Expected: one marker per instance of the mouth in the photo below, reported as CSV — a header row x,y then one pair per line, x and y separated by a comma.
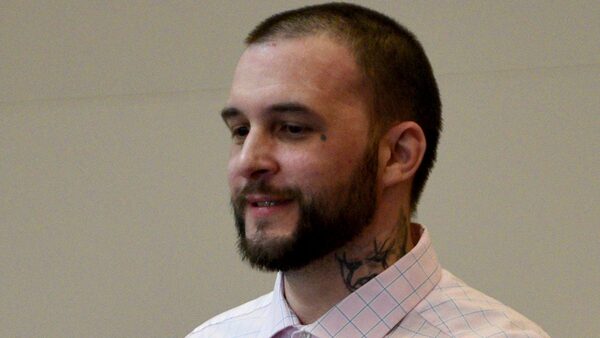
x,y
263,205
266,204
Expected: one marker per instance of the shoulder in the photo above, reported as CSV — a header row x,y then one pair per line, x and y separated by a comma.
x,y
244,319
459,310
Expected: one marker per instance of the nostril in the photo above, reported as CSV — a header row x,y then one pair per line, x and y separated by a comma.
x,y
259,173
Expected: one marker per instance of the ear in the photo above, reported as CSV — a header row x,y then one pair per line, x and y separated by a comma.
x,y
405,146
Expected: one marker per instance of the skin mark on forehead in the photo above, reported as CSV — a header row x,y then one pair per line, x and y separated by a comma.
x,y
323,137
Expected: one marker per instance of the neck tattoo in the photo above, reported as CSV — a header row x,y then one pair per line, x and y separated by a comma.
x,y
356,272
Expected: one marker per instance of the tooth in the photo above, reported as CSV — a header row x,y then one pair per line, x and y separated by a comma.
x,y
265,204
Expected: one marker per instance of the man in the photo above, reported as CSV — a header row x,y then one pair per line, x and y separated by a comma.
x,y
334,115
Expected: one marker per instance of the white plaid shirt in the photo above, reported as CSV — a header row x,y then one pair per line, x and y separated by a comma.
x,y
414,297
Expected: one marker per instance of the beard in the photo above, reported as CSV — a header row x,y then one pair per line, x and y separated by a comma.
x,y
327,220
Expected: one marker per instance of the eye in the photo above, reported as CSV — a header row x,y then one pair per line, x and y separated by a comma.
x,y
239,133
294,130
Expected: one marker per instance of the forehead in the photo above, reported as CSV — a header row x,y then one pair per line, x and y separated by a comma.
x,y
311,70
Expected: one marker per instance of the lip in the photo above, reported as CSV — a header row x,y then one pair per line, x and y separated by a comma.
x,y
259,205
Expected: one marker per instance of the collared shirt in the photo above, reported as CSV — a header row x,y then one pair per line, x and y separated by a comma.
x,y
413,297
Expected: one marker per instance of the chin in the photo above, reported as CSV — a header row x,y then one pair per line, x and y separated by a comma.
x,y
266,238
269,230
268,253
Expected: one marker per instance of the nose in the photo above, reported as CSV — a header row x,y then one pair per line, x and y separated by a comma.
x,y
256,158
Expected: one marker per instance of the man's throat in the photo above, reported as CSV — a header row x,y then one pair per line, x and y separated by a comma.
x,y
357,270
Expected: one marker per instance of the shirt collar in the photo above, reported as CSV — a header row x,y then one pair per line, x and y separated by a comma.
x,y
279,316
376,307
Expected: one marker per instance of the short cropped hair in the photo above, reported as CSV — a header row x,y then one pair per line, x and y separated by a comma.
x,y
397,72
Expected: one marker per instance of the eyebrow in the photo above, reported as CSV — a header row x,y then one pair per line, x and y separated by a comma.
x,y
290,107
278,108
230,112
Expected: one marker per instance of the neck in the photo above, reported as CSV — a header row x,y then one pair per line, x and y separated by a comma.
x,y
313,290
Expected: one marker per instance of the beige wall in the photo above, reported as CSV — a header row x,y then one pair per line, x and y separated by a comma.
x,y
114,219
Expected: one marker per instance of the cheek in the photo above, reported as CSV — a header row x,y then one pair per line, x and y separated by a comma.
x,y
232,177
320,169
306,169
231,183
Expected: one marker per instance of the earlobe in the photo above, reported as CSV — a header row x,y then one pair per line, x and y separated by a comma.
x,y
406,146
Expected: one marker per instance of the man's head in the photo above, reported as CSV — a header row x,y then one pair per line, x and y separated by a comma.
x,y
398,75
319,98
